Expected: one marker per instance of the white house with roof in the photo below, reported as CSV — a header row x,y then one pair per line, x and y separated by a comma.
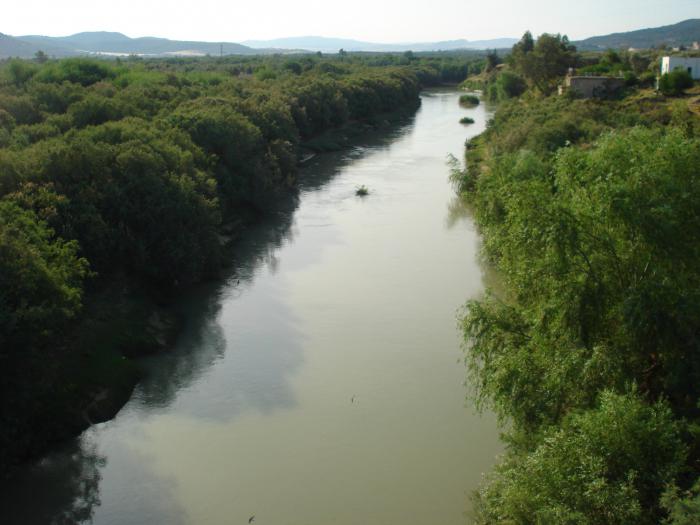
x,y
691,65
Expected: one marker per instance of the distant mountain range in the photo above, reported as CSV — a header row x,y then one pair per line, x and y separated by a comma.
x,y
117,44
676,35
333,45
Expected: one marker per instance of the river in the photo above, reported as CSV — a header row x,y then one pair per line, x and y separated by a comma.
x,y
321,382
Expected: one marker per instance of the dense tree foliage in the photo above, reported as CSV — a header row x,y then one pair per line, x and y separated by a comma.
x,y
582,472
40,282
544,61
590,352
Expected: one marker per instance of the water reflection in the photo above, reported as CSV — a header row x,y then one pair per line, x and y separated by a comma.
x,y
67,484
200,345
322,168
458,211
146,496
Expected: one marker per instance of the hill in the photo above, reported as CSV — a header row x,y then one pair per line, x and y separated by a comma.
x,y
332,45
14,47
115,44
10,46
681,34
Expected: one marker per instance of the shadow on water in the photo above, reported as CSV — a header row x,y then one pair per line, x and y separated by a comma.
x,y
251,337
461,212
321,170
458,211
67,483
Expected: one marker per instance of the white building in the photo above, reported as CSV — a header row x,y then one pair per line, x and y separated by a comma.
x,y
691,65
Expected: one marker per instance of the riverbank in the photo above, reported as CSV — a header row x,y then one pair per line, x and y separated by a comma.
x,y
272,401
124,321
588,210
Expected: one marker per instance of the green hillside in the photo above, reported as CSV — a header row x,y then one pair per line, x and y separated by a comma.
x,y
103,42
681,34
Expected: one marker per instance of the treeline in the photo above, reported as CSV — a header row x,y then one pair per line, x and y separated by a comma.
x,y
590,351
434,67
119,182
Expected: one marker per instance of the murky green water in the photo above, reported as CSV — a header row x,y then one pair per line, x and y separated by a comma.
x,y
319,385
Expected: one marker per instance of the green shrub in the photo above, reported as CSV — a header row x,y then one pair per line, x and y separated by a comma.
x,y
506,85
675,82
631,79
607,465
82,71
647,79
362,191
95,109
469,100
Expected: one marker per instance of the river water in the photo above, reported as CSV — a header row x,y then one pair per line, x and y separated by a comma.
x,y
321,383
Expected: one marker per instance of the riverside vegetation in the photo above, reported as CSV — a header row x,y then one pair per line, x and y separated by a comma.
x,y
121,182
590,351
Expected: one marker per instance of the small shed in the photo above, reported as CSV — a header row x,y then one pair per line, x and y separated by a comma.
x,y
691,65
592,86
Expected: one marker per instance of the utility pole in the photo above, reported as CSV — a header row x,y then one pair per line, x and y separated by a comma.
x,y
221,50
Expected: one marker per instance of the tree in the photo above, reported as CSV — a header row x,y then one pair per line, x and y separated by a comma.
x,y
294,67
507,85
492,59
639,63
611,57
40,280
20,72
41,57
545,62
608,465
525,46
675,82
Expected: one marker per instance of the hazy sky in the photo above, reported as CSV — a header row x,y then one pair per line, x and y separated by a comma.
x,y
373,20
